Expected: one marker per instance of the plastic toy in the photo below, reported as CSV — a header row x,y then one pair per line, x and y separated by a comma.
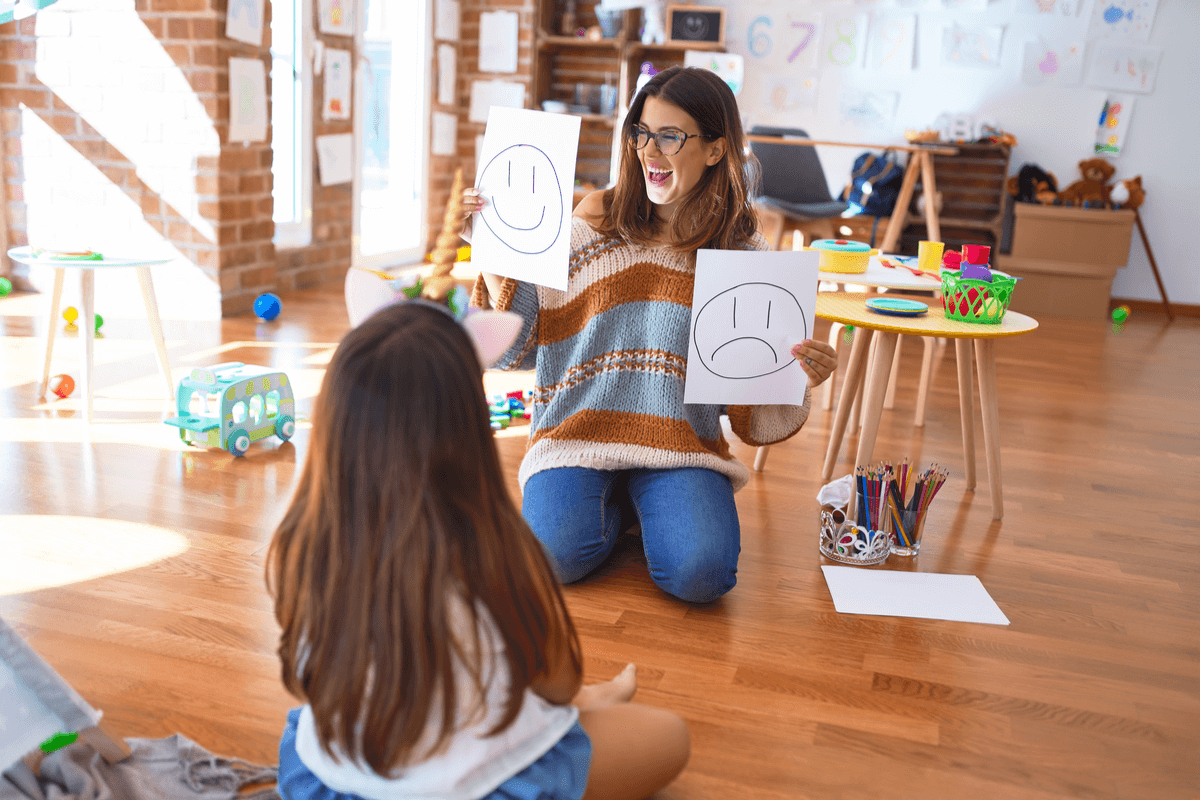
x,y
232,405
267,306
1120,314
5,286
62,386
70,314
99,322
57,742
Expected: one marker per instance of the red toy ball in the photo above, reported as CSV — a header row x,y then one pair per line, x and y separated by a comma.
x,y
62,385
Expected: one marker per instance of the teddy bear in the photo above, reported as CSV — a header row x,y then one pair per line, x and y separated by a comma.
x,y
1033,185
1091,191
1128,194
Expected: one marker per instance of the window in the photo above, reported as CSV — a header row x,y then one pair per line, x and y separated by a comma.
x,y
291,122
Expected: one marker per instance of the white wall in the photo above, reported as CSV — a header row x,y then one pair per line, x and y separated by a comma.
x,y
1055,126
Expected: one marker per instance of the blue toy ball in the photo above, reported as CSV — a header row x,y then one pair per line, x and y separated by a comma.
x,y
267,306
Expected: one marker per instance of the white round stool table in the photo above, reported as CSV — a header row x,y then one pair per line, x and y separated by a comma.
x,y
87,276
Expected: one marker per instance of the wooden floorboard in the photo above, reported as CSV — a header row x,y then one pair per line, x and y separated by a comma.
x,y
1093,691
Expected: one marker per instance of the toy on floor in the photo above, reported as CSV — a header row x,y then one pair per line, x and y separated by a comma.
x,y
99,321
1120,314
267,306
70,314
5,286
232,405
61,386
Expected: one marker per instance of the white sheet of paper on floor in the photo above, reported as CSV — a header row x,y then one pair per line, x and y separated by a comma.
x,y
247,100
526,174
498,41
749,308
335,158
485,94
925,595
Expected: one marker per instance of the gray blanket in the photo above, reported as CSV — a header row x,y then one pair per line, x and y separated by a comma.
x,y
174,768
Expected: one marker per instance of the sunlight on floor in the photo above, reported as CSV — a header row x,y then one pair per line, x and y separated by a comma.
x,y
45,551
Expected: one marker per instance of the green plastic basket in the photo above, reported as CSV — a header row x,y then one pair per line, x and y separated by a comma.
x,y
972,300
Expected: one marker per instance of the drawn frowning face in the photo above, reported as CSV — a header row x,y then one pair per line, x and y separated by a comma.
x,y
525,204
743,332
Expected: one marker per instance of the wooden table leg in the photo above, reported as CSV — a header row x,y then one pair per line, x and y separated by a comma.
x,y
933,226
985,356
760,457
889,399
926,376
873,404
835,341
87,335
896,222
966,406
854,372
164,366
55,301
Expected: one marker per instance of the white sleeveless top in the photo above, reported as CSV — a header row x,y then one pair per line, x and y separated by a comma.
x,y
473,764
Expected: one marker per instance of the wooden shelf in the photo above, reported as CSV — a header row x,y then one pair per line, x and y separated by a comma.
x,y
552,40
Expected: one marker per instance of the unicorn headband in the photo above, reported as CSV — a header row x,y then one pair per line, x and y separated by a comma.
x,y
492,332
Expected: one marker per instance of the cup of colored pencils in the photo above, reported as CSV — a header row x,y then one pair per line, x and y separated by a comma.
x,y
906,510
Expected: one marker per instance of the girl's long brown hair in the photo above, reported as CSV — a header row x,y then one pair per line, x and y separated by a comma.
x,y
401,504
717,214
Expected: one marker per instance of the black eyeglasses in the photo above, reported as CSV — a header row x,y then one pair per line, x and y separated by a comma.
x,y
668,142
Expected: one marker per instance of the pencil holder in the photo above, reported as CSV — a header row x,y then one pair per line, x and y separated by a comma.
x,y
846,543
905,537
972,300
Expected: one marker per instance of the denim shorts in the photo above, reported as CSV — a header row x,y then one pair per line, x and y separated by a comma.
x,y
560,774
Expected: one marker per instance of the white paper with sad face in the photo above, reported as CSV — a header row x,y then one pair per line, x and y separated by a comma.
x,y
749,309
526,173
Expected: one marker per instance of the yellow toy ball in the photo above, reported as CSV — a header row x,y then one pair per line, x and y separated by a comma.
x,y
989,308
70,315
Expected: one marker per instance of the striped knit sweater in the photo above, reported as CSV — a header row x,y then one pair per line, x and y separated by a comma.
x,y
610,355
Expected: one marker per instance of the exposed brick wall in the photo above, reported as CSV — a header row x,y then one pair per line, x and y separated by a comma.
x,y
441,168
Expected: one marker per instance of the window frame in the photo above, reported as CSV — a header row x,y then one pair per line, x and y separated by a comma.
x,y
291,235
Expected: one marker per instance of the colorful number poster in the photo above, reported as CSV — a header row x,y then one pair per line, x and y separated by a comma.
x,y
748,310
526,175
1123,67
336,17
972,47
779,38
1113,125
337,85
244,21
247,100
1057,64
844,41
891,41
1128,19
1057,8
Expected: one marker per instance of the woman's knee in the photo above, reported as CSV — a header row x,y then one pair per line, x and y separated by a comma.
x,y
698,579
570,512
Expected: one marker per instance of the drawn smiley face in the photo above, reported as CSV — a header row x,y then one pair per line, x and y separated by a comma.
x,y
525,204
742,332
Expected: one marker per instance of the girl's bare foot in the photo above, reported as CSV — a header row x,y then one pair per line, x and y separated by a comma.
x,y
601,695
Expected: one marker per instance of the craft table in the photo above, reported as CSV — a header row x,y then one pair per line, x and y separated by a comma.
x,y
850,309
87,328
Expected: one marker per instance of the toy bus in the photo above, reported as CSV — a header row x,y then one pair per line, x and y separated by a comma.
x,y
232,405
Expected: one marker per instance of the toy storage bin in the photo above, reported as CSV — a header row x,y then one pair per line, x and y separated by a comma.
x,y
971,300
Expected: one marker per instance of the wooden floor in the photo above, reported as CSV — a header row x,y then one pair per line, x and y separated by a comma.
x,y
138,574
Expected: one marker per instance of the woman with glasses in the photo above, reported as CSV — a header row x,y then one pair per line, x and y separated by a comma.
x,y
612,444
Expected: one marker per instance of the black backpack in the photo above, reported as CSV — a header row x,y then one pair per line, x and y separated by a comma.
x,y
874,184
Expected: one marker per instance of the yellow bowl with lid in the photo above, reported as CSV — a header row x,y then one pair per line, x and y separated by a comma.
x,y
843,255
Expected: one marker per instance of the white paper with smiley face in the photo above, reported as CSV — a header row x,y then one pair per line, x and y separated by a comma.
x,y
526,171
749,309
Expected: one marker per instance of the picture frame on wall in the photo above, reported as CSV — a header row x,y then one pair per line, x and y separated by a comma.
x,y
696,27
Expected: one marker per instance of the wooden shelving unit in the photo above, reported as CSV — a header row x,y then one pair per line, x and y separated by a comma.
x,y
564,63
973,196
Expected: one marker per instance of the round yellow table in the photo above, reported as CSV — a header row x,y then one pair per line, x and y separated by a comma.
x,y
851,309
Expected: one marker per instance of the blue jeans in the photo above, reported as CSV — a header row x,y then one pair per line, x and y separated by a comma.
x,y
689,522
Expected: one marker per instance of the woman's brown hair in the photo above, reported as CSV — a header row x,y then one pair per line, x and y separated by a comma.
x,y
717,214
402,505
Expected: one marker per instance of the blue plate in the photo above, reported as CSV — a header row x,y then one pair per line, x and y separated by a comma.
x,y
897,306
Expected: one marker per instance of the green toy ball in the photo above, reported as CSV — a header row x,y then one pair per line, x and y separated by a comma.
x,y
1120,314
5,286
99,322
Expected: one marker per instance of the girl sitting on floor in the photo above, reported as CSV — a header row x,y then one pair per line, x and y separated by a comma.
x,y
422,625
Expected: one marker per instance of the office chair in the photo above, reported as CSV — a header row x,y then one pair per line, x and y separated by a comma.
x,y
794,190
